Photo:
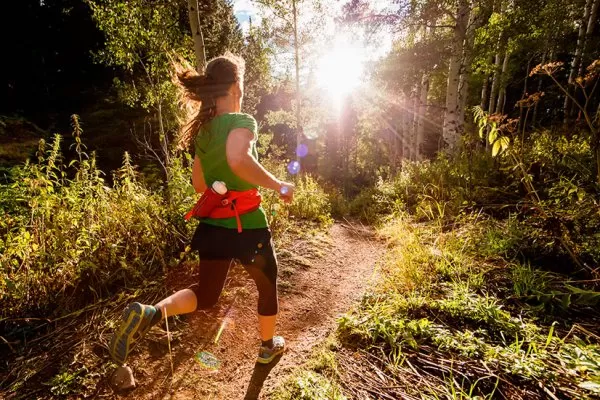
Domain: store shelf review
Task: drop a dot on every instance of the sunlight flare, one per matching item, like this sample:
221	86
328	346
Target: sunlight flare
340	70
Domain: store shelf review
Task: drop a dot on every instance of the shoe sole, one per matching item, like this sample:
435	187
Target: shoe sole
122	338
273	356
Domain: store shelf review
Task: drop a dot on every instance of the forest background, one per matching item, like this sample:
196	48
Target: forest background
468	130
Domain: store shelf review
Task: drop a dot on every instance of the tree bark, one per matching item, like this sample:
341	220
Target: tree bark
502	84
199	50
406	129
484	93
422	114
297	64
414	128
577	57
588	34
495	78
452	127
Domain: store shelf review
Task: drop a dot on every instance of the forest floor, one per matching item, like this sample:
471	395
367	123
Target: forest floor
321	279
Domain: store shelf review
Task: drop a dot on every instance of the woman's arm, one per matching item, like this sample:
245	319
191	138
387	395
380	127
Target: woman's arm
198	176
241	162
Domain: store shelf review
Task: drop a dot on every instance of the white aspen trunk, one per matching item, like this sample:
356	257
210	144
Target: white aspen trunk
415	124
194	16
577	57
406	128
502	91
588	33
465	73
452	127
463	93
495	79
484	93
392	133
297	64
423	93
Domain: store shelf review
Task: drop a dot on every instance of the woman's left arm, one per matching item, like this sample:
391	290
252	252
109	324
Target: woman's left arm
198	176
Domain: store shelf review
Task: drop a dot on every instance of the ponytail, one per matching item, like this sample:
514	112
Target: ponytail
200	92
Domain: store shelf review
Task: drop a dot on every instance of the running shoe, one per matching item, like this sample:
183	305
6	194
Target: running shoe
268	354
137	320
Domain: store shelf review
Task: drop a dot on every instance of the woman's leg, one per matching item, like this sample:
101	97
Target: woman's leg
204	294
139	318
263	270
181	302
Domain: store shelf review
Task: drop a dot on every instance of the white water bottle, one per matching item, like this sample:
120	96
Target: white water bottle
219	187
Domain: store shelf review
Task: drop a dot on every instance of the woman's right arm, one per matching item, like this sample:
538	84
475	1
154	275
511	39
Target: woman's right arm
241	162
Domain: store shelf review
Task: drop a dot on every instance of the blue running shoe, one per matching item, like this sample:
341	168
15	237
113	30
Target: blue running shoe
137	320
268	354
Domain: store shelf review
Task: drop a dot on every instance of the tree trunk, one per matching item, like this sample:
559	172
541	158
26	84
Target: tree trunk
495	80
502	84
522	122
392	133
415	124
406	129
577	57
297	64
453	127
194	16
422	113
588	34
475	21
484	93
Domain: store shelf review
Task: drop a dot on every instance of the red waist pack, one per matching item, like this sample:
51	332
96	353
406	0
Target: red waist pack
231	204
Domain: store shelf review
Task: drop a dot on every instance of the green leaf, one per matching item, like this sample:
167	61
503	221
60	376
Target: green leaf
496	148
493	135
504	142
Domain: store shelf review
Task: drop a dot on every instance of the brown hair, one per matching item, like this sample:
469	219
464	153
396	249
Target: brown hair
200	92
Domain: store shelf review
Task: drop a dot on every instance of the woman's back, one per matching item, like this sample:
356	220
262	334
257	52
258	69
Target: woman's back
210	147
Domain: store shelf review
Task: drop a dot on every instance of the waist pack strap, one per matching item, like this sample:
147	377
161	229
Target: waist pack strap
232	204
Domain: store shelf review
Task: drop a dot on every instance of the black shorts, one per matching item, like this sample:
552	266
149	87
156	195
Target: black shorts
252	247
218	243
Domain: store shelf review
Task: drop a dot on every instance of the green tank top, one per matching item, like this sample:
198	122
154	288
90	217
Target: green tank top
210	148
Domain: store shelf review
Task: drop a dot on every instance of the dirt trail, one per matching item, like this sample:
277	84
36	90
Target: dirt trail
311	299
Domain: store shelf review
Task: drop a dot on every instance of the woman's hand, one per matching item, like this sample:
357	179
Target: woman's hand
286	192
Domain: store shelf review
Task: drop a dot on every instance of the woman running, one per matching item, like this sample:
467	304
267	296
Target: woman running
225	151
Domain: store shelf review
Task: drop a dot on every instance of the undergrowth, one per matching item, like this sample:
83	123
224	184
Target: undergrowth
73	242
445	322
489	287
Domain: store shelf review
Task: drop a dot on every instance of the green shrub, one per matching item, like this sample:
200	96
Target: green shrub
308	385
67	239
310	200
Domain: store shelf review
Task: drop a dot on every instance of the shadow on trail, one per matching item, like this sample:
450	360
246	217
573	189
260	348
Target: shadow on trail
259	376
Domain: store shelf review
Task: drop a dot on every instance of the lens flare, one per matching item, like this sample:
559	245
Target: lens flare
208	360
340	69
293	167
302	150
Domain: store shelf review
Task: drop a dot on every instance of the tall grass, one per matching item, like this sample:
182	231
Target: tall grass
68	237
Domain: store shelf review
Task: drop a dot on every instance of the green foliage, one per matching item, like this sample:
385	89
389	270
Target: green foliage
257	80
67	238
310	200
69	382
488	130
308	385
423	318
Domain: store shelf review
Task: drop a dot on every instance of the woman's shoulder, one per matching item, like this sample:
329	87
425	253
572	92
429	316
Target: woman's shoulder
243	120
